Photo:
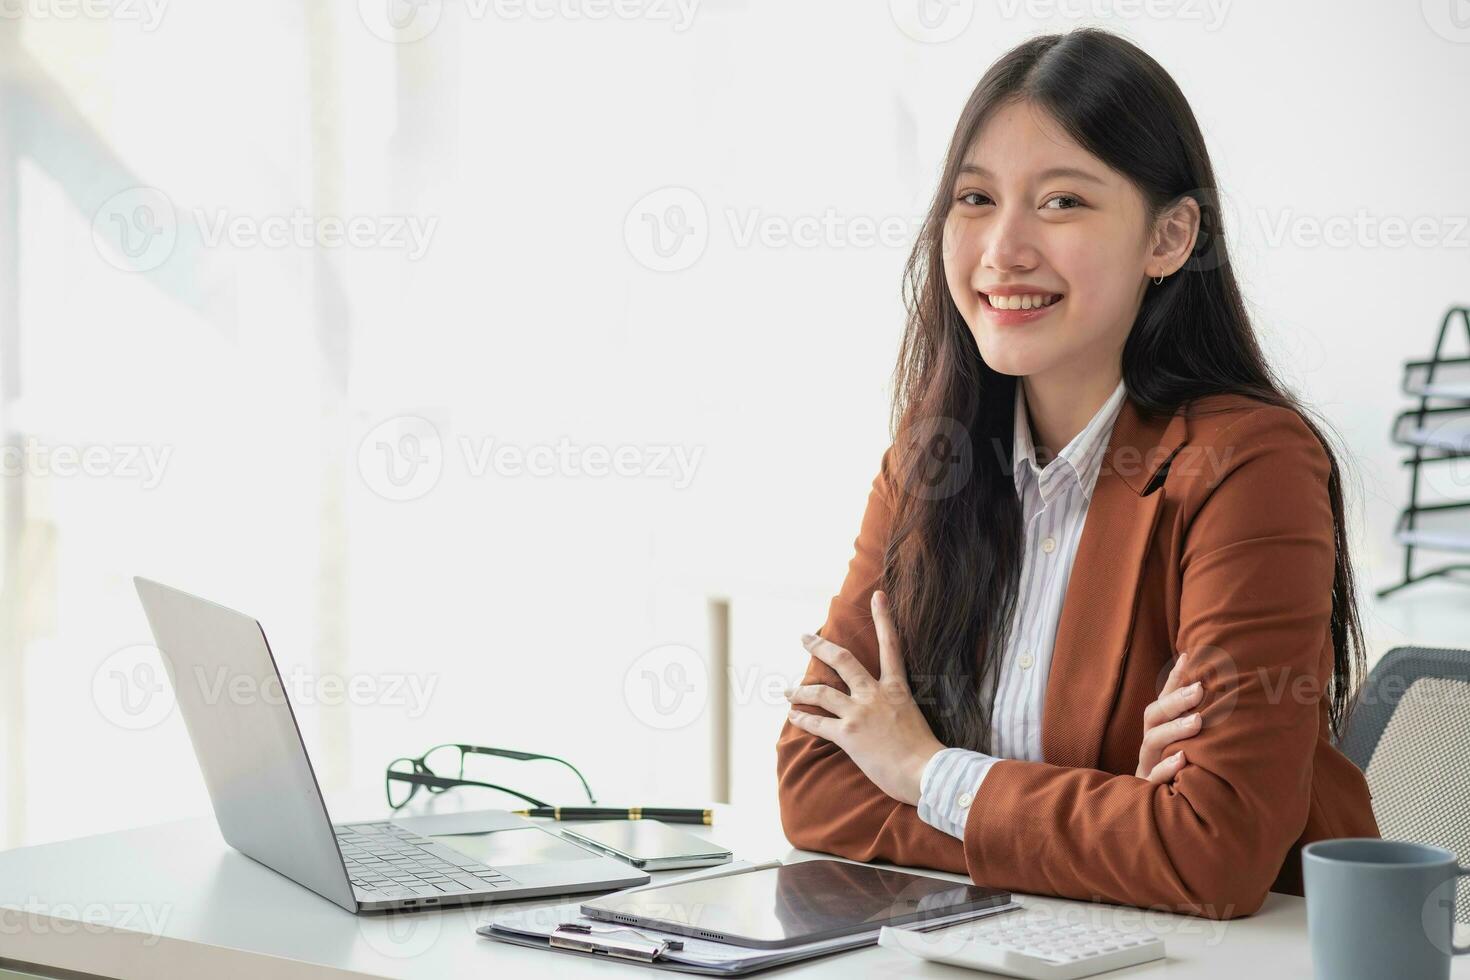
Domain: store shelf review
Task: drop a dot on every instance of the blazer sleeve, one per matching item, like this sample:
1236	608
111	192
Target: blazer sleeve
1256	577
827	803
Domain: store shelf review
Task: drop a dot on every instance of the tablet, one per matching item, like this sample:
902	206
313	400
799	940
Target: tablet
793	904
649	845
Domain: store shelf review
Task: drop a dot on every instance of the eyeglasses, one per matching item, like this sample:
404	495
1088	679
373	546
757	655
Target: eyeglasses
442	767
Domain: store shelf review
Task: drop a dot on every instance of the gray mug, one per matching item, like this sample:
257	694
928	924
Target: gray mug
1380	908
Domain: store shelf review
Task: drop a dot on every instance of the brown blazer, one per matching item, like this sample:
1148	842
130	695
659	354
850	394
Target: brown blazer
1227	552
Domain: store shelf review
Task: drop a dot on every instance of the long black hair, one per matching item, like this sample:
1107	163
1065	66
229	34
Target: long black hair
952	564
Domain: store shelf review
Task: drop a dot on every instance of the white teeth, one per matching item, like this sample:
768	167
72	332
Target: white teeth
1023	302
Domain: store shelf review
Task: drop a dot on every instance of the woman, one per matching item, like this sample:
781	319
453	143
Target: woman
1082	413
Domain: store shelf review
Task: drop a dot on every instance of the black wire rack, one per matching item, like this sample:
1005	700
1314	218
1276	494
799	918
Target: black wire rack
1436	431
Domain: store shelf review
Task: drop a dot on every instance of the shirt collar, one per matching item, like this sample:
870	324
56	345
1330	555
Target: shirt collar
1083	455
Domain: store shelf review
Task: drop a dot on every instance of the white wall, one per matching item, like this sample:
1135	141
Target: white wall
525	149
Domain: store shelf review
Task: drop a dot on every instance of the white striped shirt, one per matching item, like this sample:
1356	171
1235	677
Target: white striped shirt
1054	501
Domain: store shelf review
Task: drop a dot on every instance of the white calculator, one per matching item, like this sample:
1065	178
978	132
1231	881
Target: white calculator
1029	944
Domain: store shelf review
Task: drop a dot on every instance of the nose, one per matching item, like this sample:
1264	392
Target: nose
1007	243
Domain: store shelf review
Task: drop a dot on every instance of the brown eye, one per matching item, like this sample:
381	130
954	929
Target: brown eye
965	198
1076	202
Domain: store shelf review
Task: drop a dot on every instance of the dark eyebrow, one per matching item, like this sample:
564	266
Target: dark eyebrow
1072	172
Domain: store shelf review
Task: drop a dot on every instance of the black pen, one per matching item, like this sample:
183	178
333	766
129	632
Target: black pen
668	814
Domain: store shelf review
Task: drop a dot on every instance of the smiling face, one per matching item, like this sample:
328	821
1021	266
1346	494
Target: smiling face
1037	222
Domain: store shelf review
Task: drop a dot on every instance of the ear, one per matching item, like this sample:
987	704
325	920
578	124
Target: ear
1174	235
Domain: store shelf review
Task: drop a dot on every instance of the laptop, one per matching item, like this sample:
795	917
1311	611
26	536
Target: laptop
270	808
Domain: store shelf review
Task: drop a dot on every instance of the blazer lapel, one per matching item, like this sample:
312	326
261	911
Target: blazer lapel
1097	611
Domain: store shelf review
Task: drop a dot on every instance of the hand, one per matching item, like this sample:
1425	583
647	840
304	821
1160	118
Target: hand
1163	729
877	723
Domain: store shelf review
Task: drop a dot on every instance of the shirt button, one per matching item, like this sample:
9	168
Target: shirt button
1049	545
965	800
1025	661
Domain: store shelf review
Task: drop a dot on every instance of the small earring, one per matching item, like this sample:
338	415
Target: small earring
1159	281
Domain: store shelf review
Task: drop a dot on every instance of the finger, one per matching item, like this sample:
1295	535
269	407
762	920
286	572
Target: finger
818	725
890	658
822	696
1176	673
1170	707
840	659
1167	768
1161	736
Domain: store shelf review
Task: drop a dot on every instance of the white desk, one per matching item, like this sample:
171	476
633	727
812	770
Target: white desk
174	901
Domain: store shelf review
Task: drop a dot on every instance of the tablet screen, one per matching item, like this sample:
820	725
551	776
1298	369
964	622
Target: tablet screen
795	903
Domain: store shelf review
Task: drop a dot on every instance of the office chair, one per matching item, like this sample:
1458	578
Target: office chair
1410	734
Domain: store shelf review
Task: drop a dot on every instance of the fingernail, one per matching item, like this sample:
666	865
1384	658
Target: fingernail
879	599
787	691
1194	719
1177	756
807	638
1195	687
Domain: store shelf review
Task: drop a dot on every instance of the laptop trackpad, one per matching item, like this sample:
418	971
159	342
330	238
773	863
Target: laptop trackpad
503	848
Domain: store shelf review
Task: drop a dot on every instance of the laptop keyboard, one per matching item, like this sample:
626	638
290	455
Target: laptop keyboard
384	861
